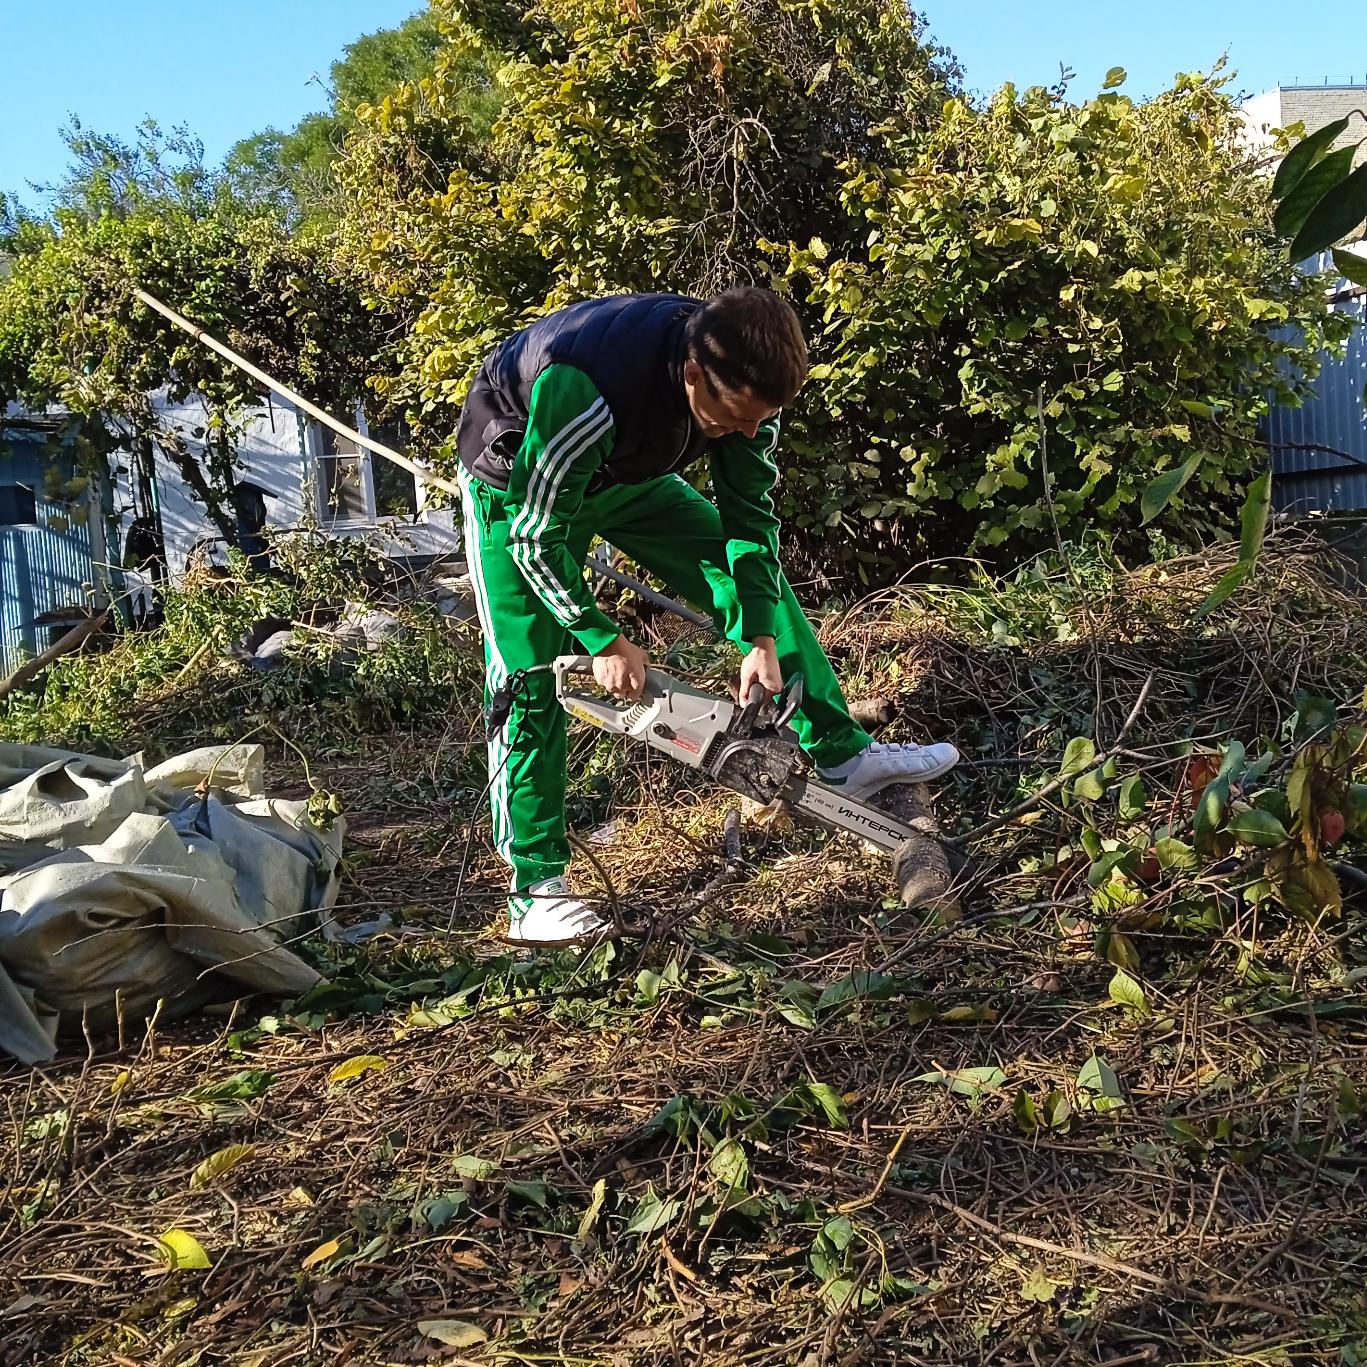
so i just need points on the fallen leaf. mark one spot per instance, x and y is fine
(600, 1191)
(322, 1253)
(180, 1250)
(463, 1259)
(355, 1067)
(225, 1160)
(453, 1333)
(1039, 1288)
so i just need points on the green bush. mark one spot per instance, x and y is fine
(1092, 286)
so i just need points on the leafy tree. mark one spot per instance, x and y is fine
(1090, 287)
(643, 145)
(293, 172)
(149, 213)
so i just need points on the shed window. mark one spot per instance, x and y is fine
(17, 505)
(396, 491)
(342, 478)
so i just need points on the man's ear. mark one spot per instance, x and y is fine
(692, 372)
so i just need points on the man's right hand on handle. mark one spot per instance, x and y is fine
(621, 669)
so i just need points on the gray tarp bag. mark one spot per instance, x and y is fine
(122, 887)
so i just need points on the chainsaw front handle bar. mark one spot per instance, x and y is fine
(566, 665)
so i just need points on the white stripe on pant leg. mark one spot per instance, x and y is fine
(498, 674)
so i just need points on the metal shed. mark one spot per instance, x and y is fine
(46, 566)
(1319, 451)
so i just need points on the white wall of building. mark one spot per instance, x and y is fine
(277, 453)
(1314, 106)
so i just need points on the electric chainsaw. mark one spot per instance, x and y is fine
(754, 755)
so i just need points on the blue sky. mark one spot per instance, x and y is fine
(228, 68)
(1269, 43)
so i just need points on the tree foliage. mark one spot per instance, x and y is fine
(150, 214)
(292, 172)
(646, 145)
(1088, 287)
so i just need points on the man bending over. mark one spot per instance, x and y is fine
(579, 426)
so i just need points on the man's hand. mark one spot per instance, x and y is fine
(621, 669)
(760, 666)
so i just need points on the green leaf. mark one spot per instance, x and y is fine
(471, 1166)
(1158, 493)
(729, 1165)
(225, 1160)
(441, 1210)
(647, 987)
(590, 1217)
(653, 1214)
(181, 1251)
(1026, 1112)
(1134, 800)
(1124, 991)
(1097, 1076)
(1090, 786)
(535, 1191)
(356, 1067)
(966, 1081)
(828, 1101)
(1295, 208)
(1336, 215)
(1038, 1288)
(1254, 826)
(243, 1086)
(863, 984)
(1301, 157)
(1210, 813)
(1351, 266)
(1077, 757)
(1115, 77)
(1253, 528)
(453, 1333)
(1233, 762)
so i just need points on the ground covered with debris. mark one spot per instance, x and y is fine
(1114, 1112)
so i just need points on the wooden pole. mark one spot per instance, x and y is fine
(64, 645)
(369, 443)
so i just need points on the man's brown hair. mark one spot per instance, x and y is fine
(750, 339)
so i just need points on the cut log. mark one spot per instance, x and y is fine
(921, 865)
(64, 645)
(871, 713)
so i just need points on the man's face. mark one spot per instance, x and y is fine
(720, 412)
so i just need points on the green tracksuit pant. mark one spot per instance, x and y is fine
(675, 533)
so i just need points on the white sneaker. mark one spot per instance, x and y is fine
(552, 915)
(882, 765)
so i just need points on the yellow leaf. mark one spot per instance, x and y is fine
(453, 1333)
(299, 1196)
(120, 1082)
(355, 1067)
(225, 1160)
(322, 1253)
(179, 1250)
